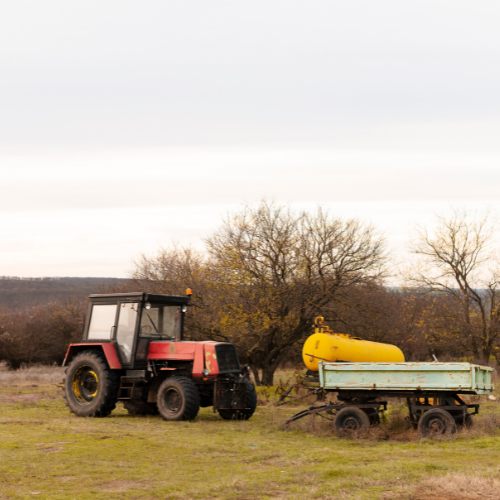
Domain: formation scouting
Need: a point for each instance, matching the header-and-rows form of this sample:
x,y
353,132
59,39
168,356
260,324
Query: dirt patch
x,y
120,486
52,444
431,496
50,447
24,423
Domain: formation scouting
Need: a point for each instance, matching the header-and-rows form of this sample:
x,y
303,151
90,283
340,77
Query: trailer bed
x,y
460,378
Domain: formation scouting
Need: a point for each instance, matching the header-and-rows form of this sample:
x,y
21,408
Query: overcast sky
x,y
127,125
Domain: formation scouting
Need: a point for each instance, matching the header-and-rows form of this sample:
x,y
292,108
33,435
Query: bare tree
x,y
283,268
457,260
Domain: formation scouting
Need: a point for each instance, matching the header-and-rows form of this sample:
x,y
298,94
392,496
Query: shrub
x,y
40,334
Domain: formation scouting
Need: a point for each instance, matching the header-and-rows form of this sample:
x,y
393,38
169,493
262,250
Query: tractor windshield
x,y
160,321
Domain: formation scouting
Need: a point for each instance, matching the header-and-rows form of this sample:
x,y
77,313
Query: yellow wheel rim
x,y
85,385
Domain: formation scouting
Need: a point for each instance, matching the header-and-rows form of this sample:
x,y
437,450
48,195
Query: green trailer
x,y
432,392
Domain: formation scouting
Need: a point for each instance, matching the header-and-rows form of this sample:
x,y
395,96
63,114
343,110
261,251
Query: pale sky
x,y
127,125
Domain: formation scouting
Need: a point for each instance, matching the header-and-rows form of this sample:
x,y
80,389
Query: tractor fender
x,y
108,349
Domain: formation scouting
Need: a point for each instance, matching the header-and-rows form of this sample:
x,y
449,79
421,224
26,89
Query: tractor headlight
x,y
205,372
147,305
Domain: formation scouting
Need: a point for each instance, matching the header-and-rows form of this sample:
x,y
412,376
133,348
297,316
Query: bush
x,y
40,334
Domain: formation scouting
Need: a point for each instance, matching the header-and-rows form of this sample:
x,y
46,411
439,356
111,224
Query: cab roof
x,y
139,296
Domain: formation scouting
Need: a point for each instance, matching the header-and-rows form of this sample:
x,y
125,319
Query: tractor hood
x,y
217,357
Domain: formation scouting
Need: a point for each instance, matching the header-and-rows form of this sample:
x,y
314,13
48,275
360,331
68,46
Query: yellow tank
x,y
324,345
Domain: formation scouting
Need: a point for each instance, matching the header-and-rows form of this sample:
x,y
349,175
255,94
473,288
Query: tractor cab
x,y
131,321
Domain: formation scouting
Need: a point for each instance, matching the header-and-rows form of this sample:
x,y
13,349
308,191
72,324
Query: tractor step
x,y
128,387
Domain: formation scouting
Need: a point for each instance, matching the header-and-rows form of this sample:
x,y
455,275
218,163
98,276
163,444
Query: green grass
x,y
46,452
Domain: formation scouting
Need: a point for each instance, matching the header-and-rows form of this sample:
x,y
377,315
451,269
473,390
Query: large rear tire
x,y
90,386
137,407
178,399
251,405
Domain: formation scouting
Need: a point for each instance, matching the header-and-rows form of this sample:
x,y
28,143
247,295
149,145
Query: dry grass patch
x,y
458,487
29,375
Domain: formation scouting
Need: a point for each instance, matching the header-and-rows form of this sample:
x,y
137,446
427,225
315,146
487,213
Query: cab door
x,y
126,331
115,322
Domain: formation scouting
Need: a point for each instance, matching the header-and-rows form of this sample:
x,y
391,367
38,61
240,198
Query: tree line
x,y
22,293
269,270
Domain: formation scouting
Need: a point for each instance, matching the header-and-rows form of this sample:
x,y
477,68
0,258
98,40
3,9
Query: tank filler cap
x,y
320,327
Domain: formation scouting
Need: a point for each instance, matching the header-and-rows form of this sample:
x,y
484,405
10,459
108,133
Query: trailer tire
x,y
351,421
468,422
373,416
137,407
436,423
178,399
251,403
90,386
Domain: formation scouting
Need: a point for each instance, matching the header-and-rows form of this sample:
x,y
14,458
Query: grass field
x,y
45,452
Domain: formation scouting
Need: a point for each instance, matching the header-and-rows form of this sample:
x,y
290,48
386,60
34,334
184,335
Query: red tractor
x,y
133,351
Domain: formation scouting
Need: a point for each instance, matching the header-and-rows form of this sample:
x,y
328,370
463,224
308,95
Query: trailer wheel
x,y
137,407
351,421
373,416
178,399
436,422
467,422
251,403
90,386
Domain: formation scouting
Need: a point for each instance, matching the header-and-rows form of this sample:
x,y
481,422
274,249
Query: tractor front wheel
x,y
90,386
178,399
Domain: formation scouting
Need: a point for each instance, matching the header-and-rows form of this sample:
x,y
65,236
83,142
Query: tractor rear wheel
x,y
178,399
90,386
138,407
251,404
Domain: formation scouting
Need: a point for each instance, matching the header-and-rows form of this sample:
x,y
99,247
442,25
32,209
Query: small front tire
x,y
178,399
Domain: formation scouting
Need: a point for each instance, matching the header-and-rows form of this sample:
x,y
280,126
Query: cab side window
x,y
102,321
126,329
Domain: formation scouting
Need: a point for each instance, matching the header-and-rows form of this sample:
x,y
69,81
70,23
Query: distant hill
x,y
25,292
